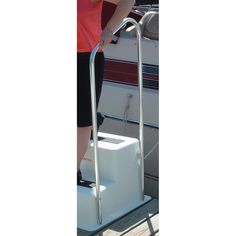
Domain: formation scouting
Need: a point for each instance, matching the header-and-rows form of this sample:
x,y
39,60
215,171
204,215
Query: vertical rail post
x,y
95,138
94,114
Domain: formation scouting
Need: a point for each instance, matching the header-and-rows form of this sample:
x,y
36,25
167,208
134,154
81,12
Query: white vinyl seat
x,y
149,25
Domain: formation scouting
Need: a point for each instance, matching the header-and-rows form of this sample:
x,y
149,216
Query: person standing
x,y
89,34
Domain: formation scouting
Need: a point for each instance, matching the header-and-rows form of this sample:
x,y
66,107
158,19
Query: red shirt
x,y
88,24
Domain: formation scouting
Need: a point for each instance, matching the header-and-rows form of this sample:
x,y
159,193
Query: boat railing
x,y
94,115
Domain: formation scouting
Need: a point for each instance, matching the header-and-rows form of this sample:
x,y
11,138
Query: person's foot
x,y
82,182
79,177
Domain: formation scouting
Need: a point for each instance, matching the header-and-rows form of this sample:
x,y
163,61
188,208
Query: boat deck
x,y
142,221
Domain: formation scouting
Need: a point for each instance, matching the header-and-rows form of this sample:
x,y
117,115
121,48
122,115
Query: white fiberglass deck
x,y
142,221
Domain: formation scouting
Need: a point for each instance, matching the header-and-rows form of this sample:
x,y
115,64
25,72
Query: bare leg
x,y
83,137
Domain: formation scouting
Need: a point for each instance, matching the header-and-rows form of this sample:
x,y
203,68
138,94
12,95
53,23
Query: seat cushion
x,y
150,25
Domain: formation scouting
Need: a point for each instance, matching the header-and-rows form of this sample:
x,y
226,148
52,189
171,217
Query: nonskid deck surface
x,y
142,221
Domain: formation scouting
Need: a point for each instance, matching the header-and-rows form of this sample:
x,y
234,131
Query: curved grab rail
x,y
94,114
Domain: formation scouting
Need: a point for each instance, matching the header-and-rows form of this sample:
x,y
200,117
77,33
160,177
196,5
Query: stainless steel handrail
x,y
94,115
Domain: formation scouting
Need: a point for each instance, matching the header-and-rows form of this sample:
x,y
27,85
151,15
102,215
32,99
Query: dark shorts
x,y
84,112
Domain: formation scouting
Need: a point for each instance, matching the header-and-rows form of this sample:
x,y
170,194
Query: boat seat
x,y
149,25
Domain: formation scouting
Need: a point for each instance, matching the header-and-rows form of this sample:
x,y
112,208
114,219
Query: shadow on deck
x,y
142,221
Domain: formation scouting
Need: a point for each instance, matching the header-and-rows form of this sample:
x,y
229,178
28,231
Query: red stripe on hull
x,y
124,72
